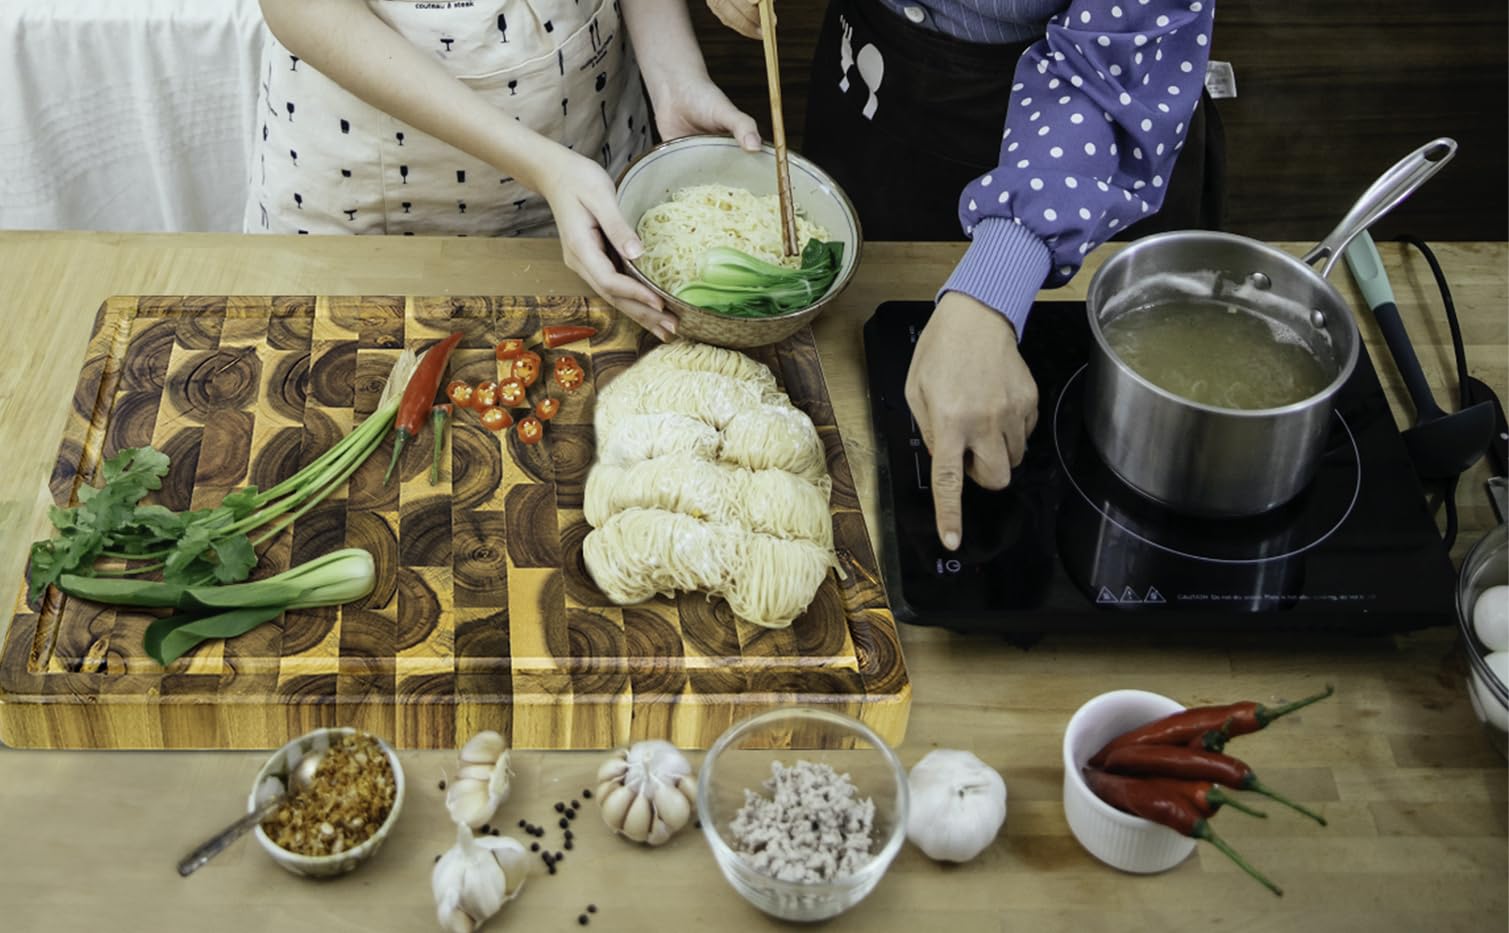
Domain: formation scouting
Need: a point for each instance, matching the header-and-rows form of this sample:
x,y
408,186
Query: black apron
x,y
904,126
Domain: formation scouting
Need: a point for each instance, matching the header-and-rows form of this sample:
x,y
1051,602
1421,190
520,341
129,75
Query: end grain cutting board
x,y
483,616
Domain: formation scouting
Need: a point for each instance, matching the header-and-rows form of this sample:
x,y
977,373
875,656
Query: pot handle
x,y
1385,194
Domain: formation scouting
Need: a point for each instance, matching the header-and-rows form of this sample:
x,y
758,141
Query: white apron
x,y
325,162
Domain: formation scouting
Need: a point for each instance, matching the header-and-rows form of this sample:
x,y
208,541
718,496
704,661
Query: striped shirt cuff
x,y
1003,268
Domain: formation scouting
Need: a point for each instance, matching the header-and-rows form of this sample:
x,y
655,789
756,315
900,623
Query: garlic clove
x,y
475,772
672,807
499,783
475,878
512,857
637,821
615,804
468,803
612,769
484,748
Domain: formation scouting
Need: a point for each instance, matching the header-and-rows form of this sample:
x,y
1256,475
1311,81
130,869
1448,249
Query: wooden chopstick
x,y
778,128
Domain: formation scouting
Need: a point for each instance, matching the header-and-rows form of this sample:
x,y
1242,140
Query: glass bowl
x,y
741,759
1487,564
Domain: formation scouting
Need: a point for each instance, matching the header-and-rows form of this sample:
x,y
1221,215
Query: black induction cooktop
x,y
1068,546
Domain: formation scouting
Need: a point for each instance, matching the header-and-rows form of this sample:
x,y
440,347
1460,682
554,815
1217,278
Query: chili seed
x,y
559,806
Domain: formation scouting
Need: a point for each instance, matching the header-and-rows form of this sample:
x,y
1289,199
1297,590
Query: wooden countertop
x,y
1415,795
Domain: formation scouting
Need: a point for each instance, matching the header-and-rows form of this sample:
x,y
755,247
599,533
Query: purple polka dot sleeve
x,y
1098,113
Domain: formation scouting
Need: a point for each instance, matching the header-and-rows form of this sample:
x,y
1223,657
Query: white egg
x,y
1490,618
1494,711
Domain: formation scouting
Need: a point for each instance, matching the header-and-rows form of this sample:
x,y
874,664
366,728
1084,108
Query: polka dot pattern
x,y
1074,182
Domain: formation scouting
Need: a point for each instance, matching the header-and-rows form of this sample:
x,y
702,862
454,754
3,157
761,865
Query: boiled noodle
x,y
676,233
708,479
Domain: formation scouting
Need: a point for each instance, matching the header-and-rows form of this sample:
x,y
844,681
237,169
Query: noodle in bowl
x,y
725,181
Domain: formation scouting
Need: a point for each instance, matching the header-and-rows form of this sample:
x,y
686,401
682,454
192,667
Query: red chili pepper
x,y
496,419
512,395
510,348
485,395
438,414
569,374
1178,761
546,408
1197,725
530,430
1139,798
1207,796
460,393
418,396
526,368
558,335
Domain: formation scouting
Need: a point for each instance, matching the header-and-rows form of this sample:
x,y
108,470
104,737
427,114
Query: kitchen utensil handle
x,y
1405,359
1367,270
219,842
778,129
1392,187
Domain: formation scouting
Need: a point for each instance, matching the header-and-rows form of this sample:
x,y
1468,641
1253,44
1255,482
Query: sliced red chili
x,y
569,374
460,393
485,395
530,429
511,394
510,348
496,419
558,335
526,368
546,408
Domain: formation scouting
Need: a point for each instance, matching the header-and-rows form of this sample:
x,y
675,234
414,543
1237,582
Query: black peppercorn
x,y
591,908
586,792
486,829
437,858
442,785
559,806
568,844
534,847
575,805
570,814
523,824
552,868
565,822
559,857
582,919
570,835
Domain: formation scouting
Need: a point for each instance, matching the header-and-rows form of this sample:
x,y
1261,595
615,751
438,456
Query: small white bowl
x,y
281,764
1119,839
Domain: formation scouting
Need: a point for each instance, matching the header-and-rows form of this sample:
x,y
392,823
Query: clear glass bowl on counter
x,y
1486,565
741,759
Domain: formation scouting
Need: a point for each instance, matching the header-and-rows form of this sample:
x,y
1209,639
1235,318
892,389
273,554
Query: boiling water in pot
x,y
1216,353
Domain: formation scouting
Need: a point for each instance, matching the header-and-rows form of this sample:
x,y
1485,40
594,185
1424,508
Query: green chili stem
x,y
1203,831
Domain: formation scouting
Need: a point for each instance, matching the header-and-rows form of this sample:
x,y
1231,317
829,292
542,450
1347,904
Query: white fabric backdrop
x,y
126,115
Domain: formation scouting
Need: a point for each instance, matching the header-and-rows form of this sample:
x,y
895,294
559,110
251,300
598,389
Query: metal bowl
x,y
708,160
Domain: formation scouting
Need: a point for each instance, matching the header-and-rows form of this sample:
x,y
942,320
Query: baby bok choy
x,y
228,610
736,284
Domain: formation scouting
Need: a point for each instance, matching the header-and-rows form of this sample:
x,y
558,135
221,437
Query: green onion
x,y
736,284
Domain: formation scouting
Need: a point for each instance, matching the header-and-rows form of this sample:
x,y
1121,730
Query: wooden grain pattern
x,y
1414,794
244,390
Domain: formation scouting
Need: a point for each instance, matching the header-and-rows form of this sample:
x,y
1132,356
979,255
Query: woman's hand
x,y
685,108
974,400
585,205
742,16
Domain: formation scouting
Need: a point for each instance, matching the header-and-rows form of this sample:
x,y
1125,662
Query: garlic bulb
x,y
475,878
647,792
958,804
480,784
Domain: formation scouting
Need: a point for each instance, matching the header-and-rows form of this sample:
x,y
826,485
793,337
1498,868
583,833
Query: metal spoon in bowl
x,y
299,781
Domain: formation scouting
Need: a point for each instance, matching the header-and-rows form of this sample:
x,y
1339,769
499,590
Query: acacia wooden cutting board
x,y
484,616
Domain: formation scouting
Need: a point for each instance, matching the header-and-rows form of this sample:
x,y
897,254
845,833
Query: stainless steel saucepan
x,y
1204,460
